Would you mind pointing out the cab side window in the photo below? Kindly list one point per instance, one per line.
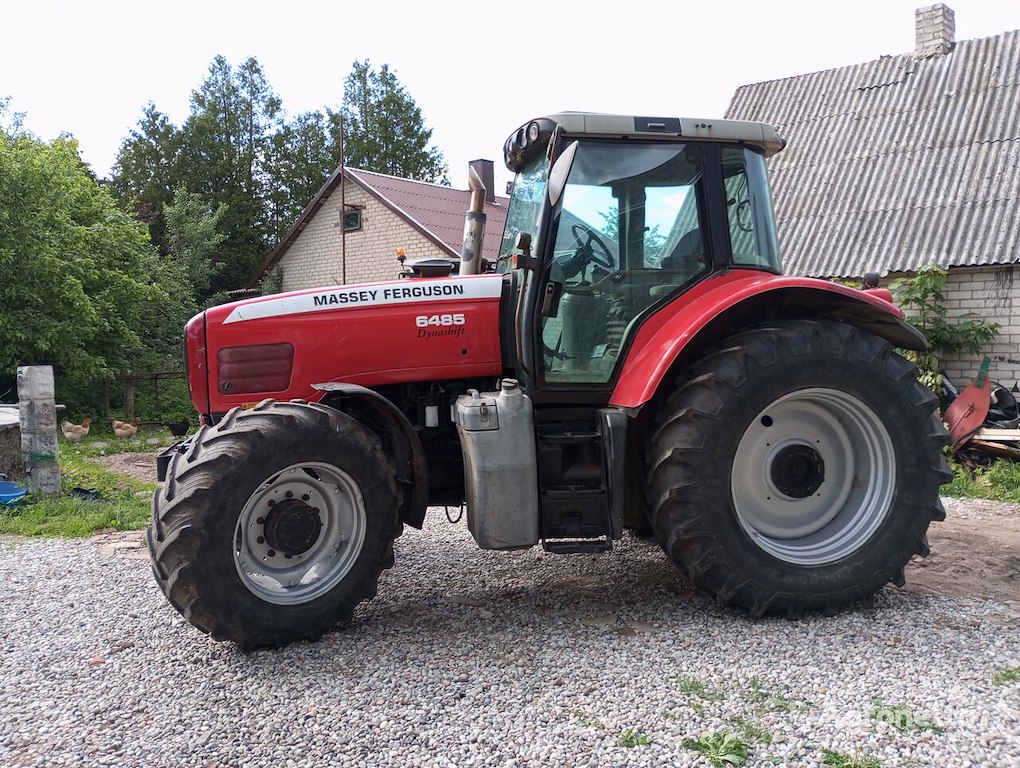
(748, 201)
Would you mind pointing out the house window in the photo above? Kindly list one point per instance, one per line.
(352, 220)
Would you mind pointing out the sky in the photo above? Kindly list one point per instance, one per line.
(476, 71)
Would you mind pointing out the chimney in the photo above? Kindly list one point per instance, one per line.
(485, 172)
(934, 30)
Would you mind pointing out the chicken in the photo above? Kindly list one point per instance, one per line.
(179, 428)
(75, 432)
(124, 429)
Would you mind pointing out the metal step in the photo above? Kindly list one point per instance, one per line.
(573, 547)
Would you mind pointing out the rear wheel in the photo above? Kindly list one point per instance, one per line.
(275, 524)
(797, 468)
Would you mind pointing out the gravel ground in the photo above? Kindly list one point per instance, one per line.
(475, 658)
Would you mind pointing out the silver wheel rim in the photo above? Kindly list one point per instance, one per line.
(299, 533)
(813, 476)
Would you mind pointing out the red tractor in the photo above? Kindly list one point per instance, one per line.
(632, 358)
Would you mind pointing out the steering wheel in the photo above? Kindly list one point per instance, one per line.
(744, 215)
(585, 238)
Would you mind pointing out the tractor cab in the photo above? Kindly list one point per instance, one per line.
(623, 215)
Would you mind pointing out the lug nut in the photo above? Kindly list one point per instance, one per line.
(261, 539)
(305, 497)
(290, 494)
(261, 521)
(272, 503)
(271, 553)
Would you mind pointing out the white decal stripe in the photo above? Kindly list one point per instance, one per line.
(370, 295)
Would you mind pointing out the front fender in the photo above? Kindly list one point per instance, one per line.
(683, 329)
(412, 469)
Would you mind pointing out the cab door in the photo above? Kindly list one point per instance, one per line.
(629, 232)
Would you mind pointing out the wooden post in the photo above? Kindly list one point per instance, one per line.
(129, 398)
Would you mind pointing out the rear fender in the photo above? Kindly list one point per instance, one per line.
(681, 331)
(399, 438)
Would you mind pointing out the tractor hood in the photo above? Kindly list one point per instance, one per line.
(370, 334)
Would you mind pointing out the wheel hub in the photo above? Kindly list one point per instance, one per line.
(813, 476)
(798, 471)
(300, 532)
(292, 527)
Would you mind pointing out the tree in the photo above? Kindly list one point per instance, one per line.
(73, 266)
(225, 145)
(145, 172)
(384, 130)
(240, 156)
(304, 154)
(194, 237)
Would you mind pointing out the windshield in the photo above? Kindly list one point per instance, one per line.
(638, 199)
(525, 203)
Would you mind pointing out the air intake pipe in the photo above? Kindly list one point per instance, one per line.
(474, 226)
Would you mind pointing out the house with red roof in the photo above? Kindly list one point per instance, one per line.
(380, 214)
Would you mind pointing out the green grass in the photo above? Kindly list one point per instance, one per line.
(125, 504)
(757, 691)
(691, 686)
(900, 717)
(752, 731)
(720, 748)
(105, 444)
(585, 719)
(783, 704)
(999, 482)
(1006, 676)
(764, 699)
(631, 738)
(836, 759)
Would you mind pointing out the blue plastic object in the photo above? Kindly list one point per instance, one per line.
(10, 492)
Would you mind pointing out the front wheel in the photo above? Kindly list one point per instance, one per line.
(797, 468)
(275, 524)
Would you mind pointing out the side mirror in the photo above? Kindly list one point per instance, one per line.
(559, 172)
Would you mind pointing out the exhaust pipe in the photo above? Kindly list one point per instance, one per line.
(474, 226)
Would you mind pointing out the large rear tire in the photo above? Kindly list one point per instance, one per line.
(797, 468)
(275, 524)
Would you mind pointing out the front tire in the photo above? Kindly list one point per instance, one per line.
(275, 524)
(797, 468)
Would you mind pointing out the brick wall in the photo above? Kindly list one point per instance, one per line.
(989, 293)
(934, 31)
(313, 260)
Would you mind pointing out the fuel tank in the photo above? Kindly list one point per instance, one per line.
(370, 334)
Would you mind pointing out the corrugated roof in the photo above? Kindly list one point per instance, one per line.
(434, 210)
(897, 162)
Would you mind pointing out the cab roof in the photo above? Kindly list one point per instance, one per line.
(761, 135)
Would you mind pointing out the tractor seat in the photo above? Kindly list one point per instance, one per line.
(685, 260)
